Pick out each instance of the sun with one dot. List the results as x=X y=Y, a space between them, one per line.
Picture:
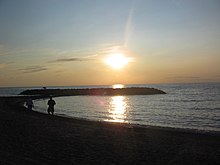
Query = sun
x=117 y=60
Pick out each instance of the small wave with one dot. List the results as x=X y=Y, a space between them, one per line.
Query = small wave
x=205 y=109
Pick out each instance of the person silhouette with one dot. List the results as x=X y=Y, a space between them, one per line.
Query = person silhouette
x=51 y=104
x=29 y=104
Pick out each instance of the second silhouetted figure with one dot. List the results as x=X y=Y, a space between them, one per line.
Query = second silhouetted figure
x=51 y=104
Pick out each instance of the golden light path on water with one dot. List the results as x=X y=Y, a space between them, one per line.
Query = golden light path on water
x=117 y=109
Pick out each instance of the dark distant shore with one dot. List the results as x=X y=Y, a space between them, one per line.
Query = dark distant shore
x=94 y=91
x=35 y=138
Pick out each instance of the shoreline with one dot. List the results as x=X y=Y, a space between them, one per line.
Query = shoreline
x=37 y=138
x=168 y=128
x=133 y=125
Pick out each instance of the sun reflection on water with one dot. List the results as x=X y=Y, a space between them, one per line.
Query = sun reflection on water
x=117 y=109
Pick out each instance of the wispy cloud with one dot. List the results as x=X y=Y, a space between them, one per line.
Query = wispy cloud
x=78 y=52
x=33 y=69
x=101 y=49
x=74 y=59
x=89 y=54
x=109 y=49
x=4 y=51
x=70 y=59
x=4 y=65
x=1 y=46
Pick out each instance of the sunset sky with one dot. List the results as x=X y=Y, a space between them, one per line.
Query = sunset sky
x=103 y=42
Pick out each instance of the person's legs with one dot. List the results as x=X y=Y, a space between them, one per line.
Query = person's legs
x=52 y=110
x=30 y=107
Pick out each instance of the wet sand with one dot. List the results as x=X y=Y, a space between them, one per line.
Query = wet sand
x=35 y=138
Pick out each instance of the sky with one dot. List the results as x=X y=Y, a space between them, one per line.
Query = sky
x=67 y=42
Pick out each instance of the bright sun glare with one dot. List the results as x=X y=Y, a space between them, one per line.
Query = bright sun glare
x=118 y=86
x=117 y=60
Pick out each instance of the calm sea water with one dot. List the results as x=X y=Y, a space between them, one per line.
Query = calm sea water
x=193 y=106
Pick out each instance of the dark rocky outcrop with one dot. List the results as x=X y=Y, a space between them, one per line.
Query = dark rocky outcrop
x=93 y=91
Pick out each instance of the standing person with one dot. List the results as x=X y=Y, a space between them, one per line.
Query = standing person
x=29 y=104
x=51 y=104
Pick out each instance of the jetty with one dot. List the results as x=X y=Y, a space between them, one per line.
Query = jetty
x=94 y=91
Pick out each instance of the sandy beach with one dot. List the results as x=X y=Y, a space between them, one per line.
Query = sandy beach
x=35 y=138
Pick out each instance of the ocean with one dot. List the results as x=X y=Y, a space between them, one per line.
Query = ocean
x=188 y=106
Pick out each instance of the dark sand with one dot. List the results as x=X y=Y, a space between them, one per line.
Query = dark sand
x=34 y=138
